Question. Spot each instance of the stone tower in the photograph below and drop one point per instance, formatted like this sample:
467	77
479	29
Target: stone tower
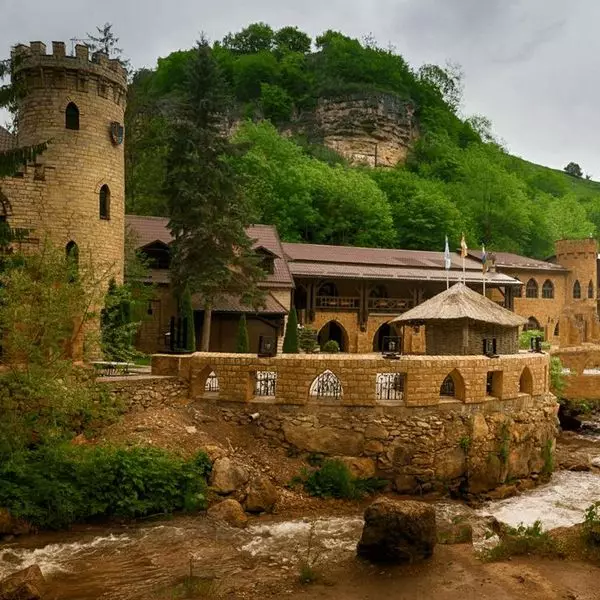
74	195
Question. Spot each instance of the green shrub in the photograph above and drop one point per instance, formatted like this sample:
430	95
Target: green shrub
307	339
517	541
526	336
557	377
330	347
290	339
591	523
548	456
54	486
334	480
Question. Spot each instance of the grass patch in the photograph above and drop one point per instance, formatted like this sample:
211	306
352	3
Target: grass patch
523	540
333	479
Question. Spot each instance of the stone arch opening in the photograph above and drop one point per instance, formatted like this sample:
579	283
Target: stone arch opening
385	330
577	290
453	386
72	255
526	382
335	331
557	330
590	289
72	116
104	202
326	386
209	381
532	324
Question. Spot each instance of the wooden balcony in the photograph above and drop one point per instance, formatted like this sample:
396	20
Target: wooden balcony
338	302
390	305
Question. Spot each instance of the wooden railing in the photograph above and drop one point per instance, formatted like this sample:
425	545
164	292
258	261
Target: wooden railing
395	305
338	302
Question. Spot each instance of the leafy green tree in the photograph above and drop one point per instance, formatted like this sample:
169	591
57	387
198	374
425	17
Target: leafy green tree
257	37
290	339
251	71
242	341
574	170
567	219
104	40
211	252
447	81
276	103
291	39
187	315
116	324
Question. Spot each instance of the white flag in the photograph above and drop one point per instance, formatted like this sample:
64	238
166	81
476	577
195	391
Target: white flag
447	257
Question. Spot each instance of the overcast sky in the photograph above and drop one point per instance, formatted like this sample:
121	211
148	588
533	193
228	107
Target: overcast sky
531	66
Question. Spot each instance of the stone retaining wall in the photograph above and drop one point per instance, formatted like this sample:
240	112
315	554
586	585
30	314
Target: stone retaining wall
142	392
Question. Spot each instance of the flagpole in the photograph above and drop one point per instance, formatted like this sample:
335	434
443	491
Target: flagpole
484	284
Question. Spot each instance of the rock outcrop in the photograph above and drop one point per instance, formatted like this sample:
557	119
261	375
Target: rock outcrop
398	531
230	511
27	584
262	495
228	476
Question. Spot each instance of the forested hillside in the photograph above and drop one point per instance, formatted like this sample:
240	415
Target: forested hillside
456	177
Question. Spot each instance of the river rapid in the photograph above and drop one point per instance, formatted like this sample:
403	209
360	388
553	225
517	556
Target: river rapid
144	561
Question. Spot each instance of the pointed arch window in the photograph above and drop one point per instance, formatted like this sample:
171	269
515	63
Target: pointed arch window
576	290
531	290
72	116
548	289
591	289
104	202
72	252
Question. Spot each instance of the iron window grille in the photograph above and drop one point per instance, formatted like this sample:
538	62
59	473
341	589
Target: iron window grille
212	383
327	385
266	383
389	386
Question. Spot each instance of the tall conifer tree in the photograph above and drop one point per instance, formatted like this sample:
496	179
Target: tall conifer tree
212	253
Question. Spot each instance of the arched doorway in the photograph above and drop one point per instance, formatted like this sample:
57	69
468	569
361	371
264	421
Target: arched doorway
334	331
386	330
532	324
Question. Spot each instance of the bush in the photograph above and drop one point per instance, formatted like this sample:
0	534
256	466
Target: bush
290	339
557	378
57	485
517	541
334	480
591	523
307	340
330	347
526	336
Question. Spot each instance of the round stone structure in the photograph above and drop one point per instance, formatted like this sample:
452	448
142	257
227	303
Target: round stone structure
75	192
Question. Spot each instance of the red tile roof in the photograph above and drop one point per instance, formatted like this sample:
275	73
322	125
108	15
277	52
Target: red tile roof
147	230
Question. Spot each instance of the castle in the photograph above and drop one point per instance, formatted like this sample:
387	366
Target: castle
74	196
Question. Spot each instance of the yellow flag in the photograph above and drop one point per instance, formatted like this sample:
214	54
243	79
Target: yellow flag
463	246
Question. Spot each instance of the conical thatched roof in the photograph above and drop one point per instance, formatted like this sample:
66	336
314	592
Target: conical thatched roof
461	302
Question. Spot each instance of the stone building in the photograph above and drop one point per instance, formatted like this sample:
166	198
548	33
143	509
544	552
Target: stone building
73	195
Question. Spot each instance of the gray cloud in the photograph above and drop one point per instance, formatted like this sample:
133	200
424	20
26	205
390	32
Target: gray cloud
530	65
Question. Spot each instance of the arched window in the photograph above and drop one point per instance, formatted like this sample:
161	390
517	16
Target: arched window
576	289
532	324
453	386
531	291
556	330
72	252
326	385
526	382
105	202
448	388
548	289
72	116
590	289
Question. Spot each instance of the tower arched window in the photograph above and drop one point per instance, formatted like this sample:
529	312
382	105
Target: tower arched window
104	202
72	252
72	116
548	289
576	289
531	290
591	289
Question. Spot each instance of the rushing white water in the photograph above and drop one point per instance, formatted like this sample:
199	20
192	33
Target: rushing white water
559	503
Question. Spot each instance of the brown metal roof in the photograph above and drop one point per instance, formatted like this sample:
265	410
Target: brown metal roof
152	229
229	303
349	271
7	140
508	260
375	256
461	302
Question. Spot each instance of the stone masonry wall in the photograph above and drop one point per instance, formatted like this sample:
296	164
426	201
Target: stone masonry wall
140	393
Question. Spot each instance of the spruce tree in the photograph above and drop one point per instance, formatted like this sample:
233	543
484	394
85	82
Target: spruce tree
290	340
242	342
211	252
187	317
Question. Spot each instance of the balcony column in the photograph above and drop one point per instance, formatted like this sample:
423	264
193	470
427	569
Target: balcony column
310	301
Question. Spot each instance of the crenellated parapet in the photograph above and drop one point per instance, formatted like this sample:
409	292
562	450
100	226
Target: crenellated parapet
95	73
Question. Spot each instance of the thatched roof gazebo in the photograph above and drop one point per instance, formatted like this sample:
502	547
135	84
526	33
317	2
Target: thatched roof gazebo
462	321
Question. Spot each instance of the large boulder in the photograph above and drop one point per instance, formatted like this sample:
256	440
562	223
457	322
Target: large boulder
230	511
27	584
398	531
262	495
227	477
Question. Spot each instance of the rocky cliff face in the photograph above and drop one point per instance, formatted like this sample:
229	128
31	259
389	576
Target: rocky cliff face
371	129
